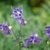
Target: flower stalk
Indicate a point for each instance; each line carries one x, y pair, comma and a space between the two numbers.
20, 38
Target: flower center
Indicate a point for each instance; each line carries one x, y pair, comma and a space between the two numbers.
18, 13
33, 41
2, 29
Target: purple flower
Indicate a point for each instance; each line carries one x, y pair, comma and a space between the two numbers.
27, 42
32, 39
5, 28
17, 12
35, 38
47, 31
0, 26
22, 21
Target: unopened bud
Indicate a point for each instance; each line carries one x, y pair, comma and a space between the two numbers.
48, 42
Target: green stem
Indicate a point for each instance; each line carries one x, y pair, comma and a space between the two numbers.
20, 32
44, 46
20, 48
5, 39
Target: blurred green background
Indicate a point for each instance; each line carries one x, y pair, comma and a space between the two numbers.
38, 13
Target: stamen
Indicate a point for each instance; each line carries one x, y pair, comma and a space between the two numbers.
36, 35
10, 27
2, 29
25, 22
18, 13
33, 41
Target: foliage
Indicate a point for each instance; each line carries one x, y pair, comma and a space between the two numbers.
38, 19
